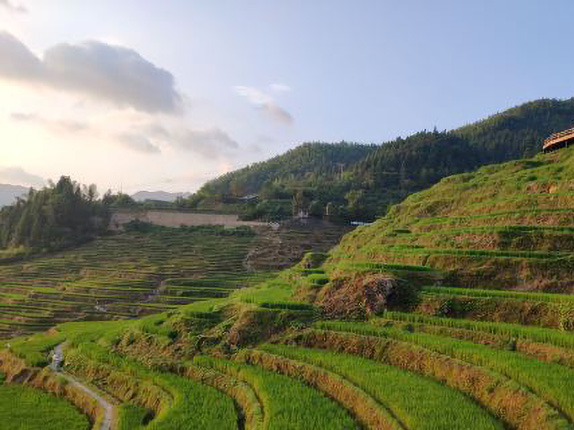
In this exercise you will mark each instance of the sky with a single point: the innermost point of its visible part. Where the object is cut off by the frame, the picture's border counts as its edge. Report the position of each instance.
(167, 94)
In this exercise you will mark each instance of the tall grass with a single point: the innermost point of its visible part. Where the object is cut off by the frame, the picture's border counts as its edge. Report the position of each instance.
(549, 381)
(502, 294)
(511, 402)
(414, 249)
(461, 219)
(249, 407)
(417, 402)
(287, 403)
(131, 417)
(536, 334)
(365, 409)
(24, 408)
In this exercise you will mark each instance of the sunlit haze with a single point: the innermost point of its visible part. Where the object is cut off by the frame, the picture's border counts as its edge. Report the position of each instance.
(149, 95)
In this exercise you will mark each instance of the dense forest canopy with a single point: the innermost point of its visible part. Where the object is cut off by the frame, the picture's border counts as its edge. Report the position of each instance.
(57, 216)
(306, 165)
(518, 132)
(353, 181)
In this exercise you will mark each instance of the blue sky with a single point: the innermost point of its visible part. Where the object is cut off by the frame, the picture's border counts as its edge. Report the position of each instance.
(253, 78)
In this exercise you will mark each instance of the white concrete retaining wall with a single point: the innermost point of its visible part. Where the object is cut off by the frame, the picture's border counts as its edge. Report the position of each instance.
(177, 219)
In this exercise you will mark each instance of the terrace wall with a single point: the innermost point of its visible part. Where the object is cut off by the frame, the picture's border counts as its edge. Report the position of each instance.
(177, 219)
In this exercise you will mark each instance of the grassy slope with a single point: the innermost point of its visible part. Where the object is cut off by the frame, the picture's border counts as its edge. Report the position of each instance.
(503, 226)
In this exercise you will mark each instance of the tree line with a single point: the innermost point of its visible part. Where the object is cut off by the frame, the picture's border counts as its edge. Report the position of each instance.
(60, 215)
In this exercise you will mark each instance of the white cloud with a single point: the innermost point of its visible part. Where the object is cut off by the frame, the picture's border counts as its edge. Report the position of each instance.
(24, 117)
(253, 95)
(177, 136)
(13, 7)
(18, 176)
(108, 72)
(265, 103)
(119, 76)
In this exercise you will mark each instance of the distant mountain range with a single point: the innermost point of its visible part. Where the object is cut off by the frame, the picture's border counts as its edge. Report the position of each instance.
(163, 196)
(8, 193)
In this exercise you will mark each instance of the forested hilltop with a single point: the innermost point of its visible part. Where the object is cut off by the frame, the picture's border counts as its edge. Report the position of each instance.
(353, 181)
(60, 215)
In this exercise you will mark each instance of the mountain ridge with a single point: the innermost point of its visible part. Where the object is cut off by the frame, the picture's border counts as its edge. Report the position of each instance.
(9, 193)
(359, 181)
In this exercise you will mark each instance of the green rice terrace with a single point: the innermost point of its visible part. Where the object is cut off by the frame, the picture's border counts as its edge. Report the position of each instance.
(37, 409)
(455, 311)
(146, 270)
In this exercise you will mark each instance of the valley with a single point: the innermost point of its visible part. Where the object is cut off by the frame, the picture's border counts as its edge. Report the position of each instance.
(452, 311)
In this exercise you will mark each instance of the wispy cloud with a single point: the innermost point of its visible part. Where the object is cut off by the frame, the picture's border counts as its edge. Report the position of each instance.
(280, 88)
(112, 73)
(13, 7)
(212, 142)
(266, 103)
(139, 143)
(53, 125)
(148, 136)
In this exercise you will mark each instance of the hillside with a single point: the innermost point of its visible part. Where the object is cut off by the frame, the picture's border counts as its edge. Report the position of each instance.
(399, 328)
(361, 181)
(503, 226)
(312, 167)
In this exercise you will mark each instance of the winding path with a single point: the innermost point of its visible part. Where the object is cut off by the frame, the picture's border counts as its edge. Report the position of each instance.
(107, 407)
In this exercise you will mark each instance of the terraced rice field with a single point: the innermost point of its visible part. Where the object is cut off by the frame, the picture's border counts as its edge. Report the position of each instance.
(138, 273)
(397, 371)
(400, 370)
(483, 338)
(507, 226)
(123, 276)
